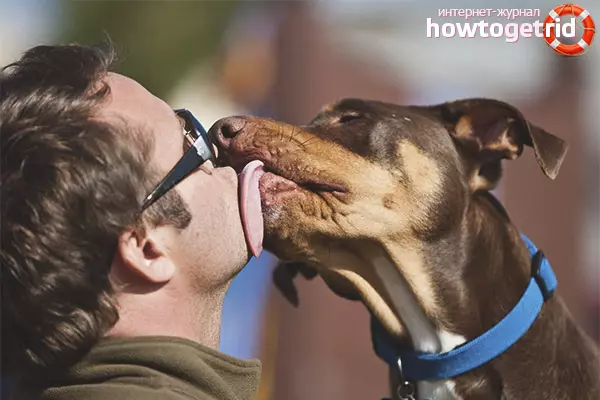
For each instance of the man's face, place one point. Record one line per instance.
(212, 249)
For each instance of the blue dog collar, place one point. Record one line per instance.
(418, 366)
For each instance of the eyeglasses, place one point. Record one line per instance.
(199, 151)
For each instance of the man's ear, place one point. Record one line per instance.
(490, 130)
(143, 253)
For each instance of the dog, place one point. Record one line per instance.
(391, 205)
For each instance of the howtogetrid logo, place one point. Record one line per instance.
(558, 29)
(552, 29)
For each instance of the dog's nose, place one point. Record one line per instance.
(226, 129)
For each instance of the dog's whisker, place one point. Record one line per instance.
(301, 144)
(308, 140)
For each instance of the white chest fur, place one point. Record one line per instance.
(422, 332)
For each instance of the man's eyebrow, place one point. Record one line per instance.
(182, 130)
(180, 120)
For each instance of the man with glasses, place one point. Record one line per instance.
(119, 238)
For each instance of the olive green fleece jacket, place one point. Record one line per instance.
(151, 368)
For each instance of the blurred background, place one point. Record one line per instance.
(286, 59)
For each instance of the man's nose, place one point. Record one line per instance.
(225, 129)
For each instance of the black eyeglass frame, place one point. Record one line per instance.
(199, 152)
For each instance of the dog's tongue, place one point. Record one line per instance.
(250, 208)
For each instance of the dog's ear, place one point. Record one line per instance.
(284, 275)
(490, 130)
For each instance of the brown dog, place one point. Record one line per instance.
(392, 204)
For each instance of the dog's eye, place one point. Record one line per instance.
(349, 117)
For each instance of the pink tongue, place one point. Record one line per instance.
(252, 218)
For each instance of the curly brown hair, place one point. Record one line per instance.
(70, 184)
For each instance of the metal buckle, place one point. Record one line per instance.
(406, 390)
